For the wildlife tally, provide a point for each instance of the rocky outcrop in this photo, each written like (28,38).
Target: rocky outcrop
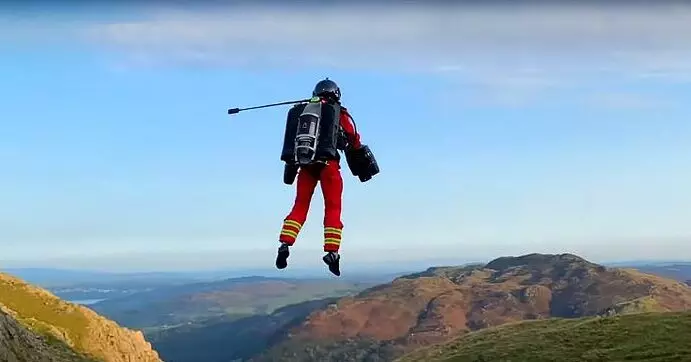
(78,327)
(17,343)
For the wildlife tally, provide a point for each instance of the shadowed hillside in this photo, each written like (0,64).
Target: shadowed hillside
(225,339)
(637,337)
(434,306)
(78,327)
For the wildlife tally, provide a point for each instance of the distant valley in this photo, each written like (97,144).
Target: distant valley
(90,295)
(678,271)
(168,306)
(90,287)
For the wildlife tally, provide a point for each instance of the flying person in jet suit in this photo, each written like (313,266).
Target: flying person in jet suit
(328,174)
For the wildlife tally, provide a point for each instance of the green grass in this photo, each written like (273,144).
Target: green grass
(18,343)
(43,313)
(635,337)
(641,305)
(58,348)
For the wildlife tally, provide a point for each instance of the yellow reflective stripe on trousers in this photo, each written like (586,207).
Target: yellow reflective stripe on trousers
(290,233)
(332,241)
(292,223)
(330,230)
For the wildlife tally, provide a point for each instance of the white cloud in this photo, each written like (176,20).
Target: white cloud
(645,40)
(512,52)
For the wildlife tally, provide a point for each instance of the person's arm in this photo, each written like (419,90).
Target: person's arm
(349,128)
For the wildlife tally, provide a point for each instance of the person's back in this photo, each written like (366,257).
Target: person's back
(326,171)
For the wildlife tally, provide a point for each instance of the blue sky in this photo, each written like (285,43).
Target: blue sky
(498,131)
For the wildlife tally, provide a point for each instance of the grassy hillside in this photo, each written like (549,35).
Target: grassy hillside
(18,343)
(78,327)
(635,337)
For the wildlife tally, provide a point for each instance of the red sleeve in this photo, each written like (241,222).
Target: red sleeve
(349,128)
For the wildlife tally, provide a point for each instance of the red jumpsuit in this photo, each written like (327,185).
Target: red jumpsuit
(329,176)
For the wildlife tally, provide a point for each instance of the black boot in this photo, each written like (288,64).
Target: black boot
(332,259)
(282,257)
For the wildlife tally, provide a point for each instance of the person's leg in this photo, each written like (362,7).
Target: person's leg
(292,224)
(332,189)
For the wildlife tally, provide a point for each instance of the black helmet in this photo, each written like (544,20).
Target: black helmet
(327,87)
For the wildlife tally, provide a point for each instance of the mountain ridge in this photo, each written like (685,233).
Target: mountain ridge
(440,303)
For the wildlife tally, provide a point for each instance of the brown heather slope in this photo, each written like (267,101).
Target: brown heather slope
(76,326)
(441,303)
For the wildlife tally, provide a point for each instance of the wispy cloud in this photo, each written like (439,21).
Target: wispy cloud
(628,101)
(647,40)
(516,51)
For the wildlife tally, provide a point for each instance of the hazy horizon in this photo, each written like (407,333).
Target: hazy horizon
(499,129)
(307,259)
